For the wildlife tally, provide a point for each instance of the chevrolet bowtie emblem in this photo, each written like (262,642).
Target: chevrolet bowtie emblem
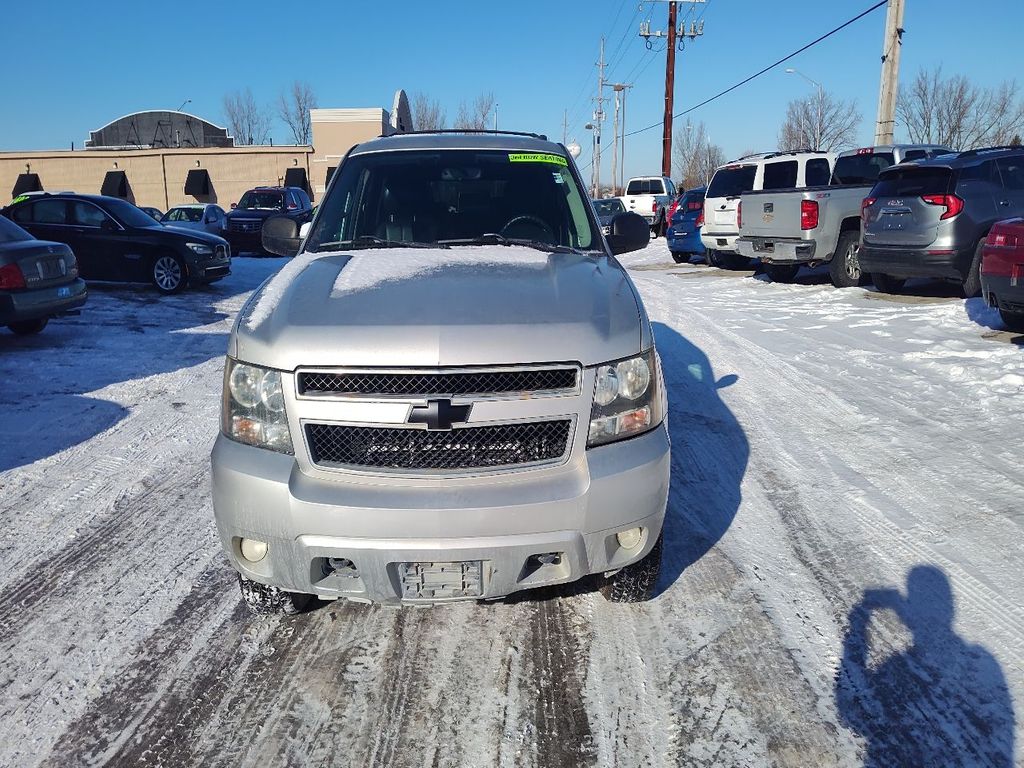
(439,415)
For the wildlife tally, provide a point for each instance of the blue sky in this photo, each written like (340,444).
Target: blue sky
(536,57)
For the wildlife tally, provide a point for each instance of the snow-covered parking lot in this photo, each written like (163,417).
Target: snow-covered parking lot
(843,579)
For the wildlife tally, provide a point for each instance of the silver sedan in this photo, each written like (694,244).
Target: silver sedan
(204,216)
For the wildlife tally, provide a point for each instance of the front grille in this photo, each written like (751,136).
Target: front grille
(245,225)
(438,383)
(500,445)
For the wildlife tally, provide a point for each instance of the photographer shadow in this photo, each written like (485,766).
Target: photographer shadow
(940,702)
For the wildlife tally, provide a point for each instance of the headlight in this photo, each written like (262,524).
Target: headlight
(200,248)
(626,399)
(253,411)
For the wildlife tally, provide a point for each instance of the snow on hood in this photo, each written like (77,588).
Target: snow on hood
(401,264)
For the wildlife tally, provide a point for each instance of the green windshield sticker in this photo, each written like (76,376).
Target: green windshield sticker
(19,199)
(537,157)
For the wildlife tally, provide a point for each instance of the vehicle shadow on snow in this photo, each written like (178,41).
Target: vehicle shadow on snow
(940,701)
(124,333)
(710,452)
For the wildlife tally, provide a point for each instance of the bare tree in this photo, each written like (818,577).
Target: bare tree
(247,121)
(957,113)
(475,117)
(427,114)
(820,122)
(293,106)
(696,158)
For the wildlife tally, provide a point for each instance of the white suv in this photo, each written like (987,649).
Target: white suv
(768,170)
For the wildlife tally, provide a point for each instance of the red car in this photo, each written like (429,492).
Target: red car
(1002,271)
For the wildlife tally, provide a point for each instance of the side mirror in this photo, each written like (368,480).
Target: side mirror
(109,225)
(233,206)
(211,218)
(281,236)
(629,232)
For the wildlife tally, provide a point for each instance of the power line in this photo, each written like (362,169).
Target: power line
(730,89)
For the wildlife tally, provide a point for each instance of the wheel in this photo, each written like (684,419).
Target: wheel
(680,258)
(711,257)
(635,583)
(168,273)
(844,269)
(781,273)
(529,227)
(972,283)
(264,600)
(887,283)
(1013,320)
(28,327)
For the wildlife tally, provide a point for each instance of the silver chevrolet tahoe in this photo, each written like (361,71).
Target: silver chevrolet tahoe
(450,393)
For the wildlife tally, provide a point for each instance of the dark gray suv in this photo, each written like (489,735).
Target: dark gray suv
(930,218)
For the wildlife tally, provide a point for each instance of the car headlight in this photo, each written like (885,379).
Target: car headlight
(626,399)
(200,248)
(253,410)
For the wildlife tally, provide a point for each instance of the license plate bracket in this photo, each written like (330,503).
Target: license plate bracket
(440,580)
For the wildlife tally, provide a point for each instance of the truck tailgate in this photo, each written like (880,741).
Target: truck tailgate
(771,214)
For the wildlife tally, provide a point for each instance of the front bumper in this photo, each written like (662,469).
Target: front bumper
(904,263)
(504,520)
(34,303)
(249,242)
(777,251)
(208,271)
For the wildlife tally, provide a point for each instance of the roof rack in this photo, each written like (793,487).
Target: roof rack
(540,136)
(979,150)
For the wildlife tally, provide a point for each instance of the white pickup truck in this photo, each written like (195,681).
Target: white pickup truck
(649,196)
(788,228)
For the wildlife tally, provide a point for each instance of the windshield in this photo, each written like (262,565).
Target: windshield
(128,214)
(11,232)
(453,196)
(732,181)
(609,207)
(861,169)
(261,201)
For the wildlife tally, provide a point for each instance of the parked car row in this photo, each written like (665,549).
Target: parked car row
(884,214)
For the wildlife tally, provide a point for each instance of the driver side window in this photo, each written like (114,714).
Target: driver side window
(86,214)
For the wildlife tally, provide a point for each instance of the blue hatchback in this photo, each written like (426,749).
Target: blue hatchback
(683,234)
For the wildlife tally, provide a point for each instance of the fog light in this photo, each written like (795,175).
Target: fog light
(629,539)
(253,550)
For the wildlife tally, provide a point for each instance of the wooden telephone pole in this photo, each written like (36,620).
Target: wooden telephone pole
(889,88)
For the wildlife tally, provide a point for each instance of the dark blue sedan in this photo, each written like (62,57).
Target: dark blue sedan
(683,234)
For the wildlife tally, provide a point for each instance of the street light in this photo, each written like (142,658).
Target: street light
(821,98)
(186,101)
(593,153)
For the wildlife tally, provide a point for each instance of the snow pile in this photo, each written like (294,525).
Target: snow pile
(372,268)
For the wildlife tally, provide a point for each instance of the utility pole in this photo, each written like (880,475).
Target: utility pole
(885,127)
(598,119)
(565,126)
(671,35)
(619,132)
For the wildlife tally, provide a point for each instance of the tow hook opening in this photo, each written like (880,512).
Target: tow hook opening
(340,566)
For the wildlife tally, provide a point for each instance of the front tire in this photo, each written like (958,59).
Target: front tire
(844,269)
(1014,321)
(635,583)
(972,283)
(28,327)
(887,283)
(264,600)
(680,258)
(168,273)
(781,273)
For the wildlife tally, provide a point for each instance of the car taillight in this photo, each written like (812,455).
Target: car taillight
(866,203)
(700,217)
(654,207)
(739,214)
(671,210)
(1003,240)
(808,214)
(11,277)
(952,204)
(695,206)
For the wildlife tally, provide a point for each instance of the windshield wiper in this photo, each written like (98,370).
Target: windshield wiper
(371,241)
(493,238)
